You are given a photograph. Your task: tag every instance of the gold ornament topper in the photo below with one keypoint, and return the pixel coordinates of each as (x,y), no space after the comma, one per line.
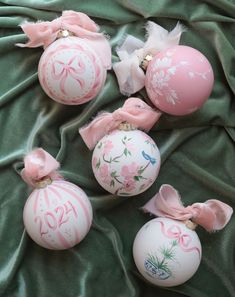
(144,63)
(64,34)
(43,183)
(124,126)
(190,225)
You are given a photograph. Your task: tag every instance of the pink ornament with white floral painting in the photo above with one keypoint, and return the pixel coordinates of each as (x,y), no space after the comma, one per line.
(178,79)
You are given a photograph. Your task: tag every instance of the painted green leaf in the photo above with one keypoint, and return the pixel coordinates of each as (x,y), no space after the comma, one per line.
(113,174)
(100,145)
(98,164)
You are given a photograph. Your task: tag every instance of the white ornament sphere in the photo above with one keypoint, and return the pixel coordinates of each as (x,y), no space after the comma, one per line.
(126,163)
(70,71)
(166,252)
(58,216)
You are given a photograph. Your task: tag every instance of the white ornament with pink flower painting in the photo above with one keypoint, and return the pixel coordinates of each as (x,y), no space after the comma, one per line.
(126,163)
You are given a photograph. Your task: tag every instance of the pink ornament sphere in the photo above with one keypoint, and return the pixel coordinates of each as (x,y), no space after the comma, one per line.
(179,80)
(126,163)
(70,72)
(166,252)
(57,216)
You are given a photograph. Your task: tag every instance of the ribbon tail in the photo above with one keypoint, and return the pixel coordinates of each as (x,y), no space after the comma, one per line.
(160,39)
(97,129)
(102,48)
(129,45)
(130,76)
(213,214)
(39,34)
(150,207)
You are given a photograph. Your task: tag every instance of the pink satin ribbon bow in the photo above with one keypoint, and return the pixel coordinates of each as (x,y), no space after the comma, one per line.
(38,164)
(212,214)
(130,76)
(44,33)
(134,111)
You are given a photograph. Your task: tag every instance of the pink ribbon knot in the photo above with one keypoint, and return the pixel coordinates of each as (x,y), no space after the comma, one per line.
(38,165)
(134,111)
(78,23)
(211,215)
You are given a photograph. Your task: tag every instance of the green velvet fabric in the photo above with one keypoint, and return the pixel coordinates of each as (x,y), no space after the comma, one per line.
(197,151)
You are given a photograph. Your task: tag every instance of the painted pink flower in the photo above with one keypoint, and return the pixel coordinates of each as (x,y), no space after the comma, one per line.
(129,184)
(130,171)
(104,174)
(107,147)
(130,147)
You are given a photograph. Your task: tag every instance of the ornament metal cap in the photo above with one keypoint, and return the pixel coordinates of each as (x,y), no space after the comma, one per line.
(64,34)
(43,183)
(190,225)
(144,63)
(125,126)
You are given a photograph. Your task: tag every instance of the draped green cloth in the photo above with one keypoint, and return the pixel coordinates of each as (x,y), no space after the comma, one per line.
(197,154)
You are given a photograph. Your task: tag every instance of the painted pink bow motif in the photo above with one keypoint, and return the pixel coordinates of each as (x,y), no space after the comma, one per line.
(211,215)
(61,71)
(134,111)
(39,164)
(184,240)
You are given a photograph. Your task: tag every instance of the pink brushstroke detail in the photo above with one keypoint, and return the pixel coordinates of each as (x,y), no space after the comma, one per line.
(68,70)
(46,197)
(36,200)
(83,206)
(174,232)
(62,240)
(53,190)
